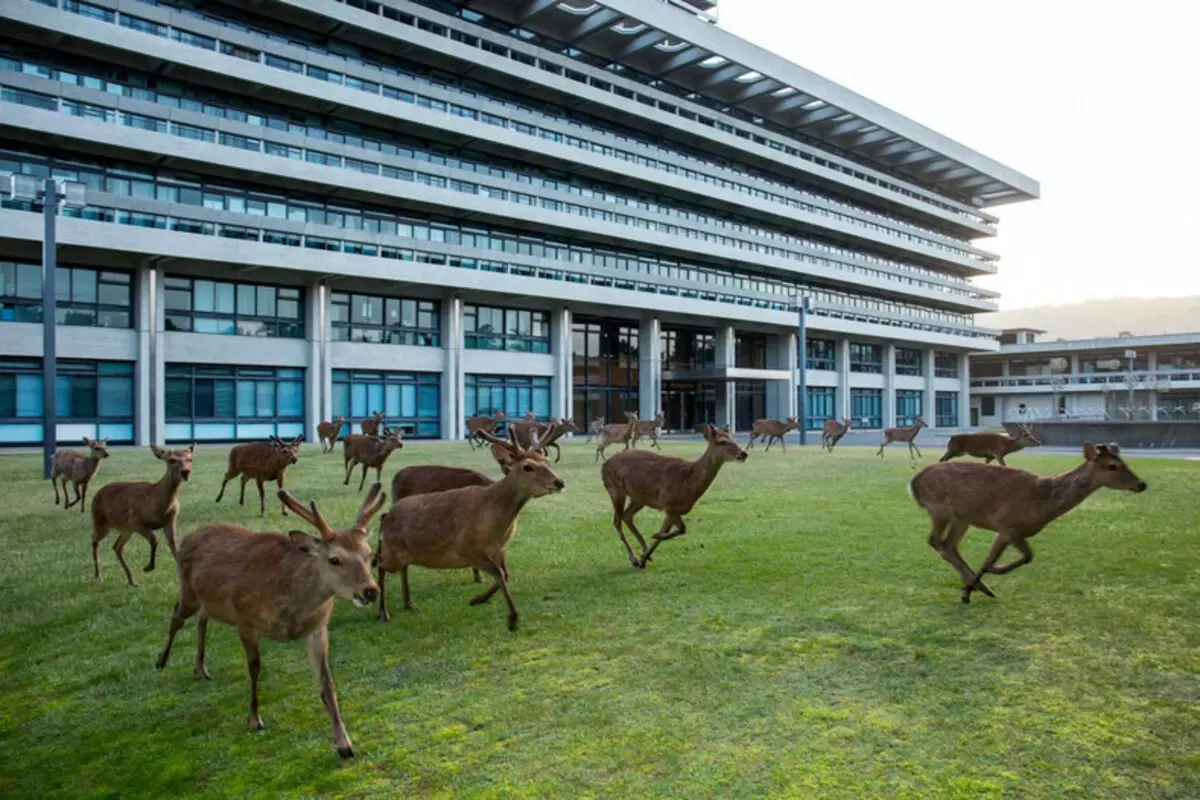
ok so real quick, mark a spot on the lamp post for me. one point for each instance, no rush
(802, 308)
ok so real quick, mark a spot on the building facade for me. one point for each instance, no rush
(1122, 378)
(436, 209)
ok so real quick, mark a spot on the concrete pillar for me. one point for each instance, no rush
(1152, 395)
(143, 371)
(889, 385)
(562, 385)
(843, 387)
(726, 358)
(649, 368)
(929, 402)
(314, 380)
(1074, 363)
(158, 355)
(453, 423)
(964, 390)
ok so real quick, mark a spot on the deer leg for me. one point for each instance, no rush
(475, 574)
(148, 535)
(318, 659)
(279, 483)
(881, 446)
(618, 504)
(913, 446)
(628, 516)
(770, 440)
(201, 668)
(654, 439)
(1001, 460)
(363, 479)
(82, 497)
(993, 555)
(750, 444)
(783, 442)
(1026, 557)
(99, 531)
(228, 478)
(186, 607)
(496, 568)
(242, 497)
(384, 616)
(408, 603)
(254, 664)
(169, 535)
(54, 483)
(957, 530)
(262, 497)
(119, 549)
(349, 469)
(664, 533)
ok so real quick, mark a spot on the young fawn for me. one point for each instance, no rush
(78, 469)
(329, 433)
(371, 425)
(772, 429)
(1016, 505)
(278, 586)
(370, 452)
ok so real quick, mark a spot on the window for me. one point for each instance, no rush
(227, 403)
(685, 348)
(909, 362)
(946, 404)
(866, 358)
(821, 354)
(604, 355)
(87, 297)
(233, 309)
(484, 395)
(750, 350)
(94, 398)
(866, 407)
(987, 406)
(945, 365)
(385, 320)
(909, 406)
(489, 328)
(410, 401)
(822, 405)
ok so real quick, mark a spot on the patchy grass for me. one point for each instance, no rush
(801, 640)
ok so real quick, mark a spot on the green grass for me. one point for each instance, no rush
(801, 640)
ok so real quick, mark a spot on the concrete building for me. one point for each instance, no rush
(1127, 377)
(434, 209)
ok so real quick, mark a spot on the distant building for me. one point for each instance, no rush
(1030, 378)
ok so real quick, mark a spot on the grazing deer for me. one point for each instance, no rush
(906, 435)
(329, 433)
(476, 424)
(371, 425)
(594, 428)
(278, 586)
(78, 469)
(141, 508)
(833, 431)
(261, 461)
(1015, 504)
(648, 428)
(771, 429)
(611, 434)
(466, 527)
(369, 451)
(989, 446)
(636, 479)
(429, 478)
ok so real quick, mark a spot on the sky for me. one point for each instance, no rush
(1098, 101)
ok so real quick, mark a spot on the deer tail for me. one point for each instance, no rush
(911, 493)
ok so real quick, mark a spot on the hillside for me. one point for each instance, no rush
(1098, 318)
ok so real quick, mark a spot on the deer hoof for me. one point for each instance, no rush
(346, 752)
(635, 560)
(257, 725)
(202, 672)
(148, 568)
(384, 616)
(512, 622)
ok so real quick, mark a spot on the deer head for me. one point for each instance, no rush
(792, 423)
(1107, 468)
(179, 462)
(1025, 436)
(722, 444)
(289, 452)
(343, 557)
(339, 422)
(631, 417)
(393, 439)
(848, 422)
(920, 423)
(499, 416)
(567, 426)
(529, 469)
(97, 448)
(530, 416)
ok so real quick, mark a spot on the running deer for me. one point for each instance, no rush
(833, 431)
(371, 425)
(611, 434)
(429, 478)
(329, 433)
(636, 479)
(989, 446)
(1014, 504)
(648, 428)
(261, 462)
(370, 452)
(141, 508)
(540, 441)
(549, 435)
(906, 435)
(594, 429)
(465, 527)
(281, 586)
(477, 424)
(78, 469)
(771, 429)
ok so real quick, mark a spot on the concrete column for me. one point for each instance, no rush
(889, 385)
(1004, 368)
(843, 387)
(1152, 395)
(452, 375)
(158, 356)
(1074, 363)
(964, 390)
(726, 358)
(143, 371)
(562, 385)
(314, 373)
(649, 368)
(929, 403)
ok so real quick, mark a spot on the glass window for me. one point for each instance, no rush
(866, 358)
(945, 365)
(385, 320)
(85, 296)
(947, 409)
(909, 406)
(227, 308)
(233, 402)
(484, 395)
(489, 328)
(821, 354)
(866, 407)
(86, 392)
(909, 362)
(410, 401)
(822, 405)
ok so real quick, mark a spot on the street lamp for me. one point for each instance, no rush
(51, 194)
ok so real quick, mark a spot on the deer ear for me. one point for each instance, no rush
(1090, 452)
(303, 542)
(87, 441)
(156, 450)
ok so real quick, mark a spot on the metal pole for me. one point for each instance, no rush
(49, 323)
(802, 382)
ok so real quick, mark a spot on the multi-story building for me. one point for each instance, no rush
(1121, 378)
(303, 208)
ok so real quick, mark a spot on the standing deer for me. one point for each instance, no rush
(648, 428)
(611, 434)
(772, 429)
(329, 433)
(594, 429)
(261, 461)
(636, 479)
(279, 586)
(906, 435)
(1015, 504)
(369, 451)
(833, 431)
(371, 425)
(476, 424)
(989, 446)
(466, 527)
(428, 478)
(141, 508)
(78, 469)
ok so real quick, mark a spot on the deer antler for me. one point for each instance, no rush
(369, 508)
(508, 444)
(310, 515)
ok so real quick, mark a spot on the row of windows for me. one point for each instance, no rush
(515, 396)
(385, 320)
(686, 348)
(83, 296)
(410, 401)
(224, 307)
(91, 398)
(489, 328)
(822, 354)
(866, 407)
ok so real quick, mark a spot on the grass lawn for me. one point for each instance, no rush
(801, 640)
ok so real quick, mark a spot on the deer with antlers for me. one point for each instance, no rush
(477, 424)
(648, 428)
(329, 433)
(772, 429)
(278, 586)
(833, 431)
(371, 425)
(906, 434)
(370, 452)
(540, 441)
(636, 479)
(1014, 504)
(465, 527)
(990, 446)
(77, 469)
(261, 462)
(611, 434)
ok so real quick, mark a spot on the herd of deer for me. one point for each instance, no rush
(282, 586)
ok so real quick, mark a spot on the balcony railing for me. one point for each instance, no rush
(1144, 380)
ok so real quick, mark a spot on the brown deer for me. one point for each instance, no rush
(466, 527)
(261, 462)
(370, 452)
(611, 434)
(771, 429)
(648, 428)
(429, 478)
(594, 429)
(278, 586)
(329, 433)
(549, 435)
(989, 446)
(636, 479)
(78, 469)
(1015, 504)
(906, 435)
(524, 428)
(541, 440)
(833, 431)
(476, 424)
(141, 508)
(371, 425)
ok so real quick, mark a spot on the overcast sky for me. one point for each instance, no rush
(1099, 101)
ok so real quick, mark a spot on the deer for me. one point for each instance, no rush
(281, 586)
(636, 479)
(906, 435)
(429, 478)
(77, 468)
(551, 433)
(476, 424)
(771, 429)
(466, 527)
(611, 434)
(594, 428)
(540, 442)
(833, 431)
(370, 452)
(990, 446)
(648, 428)
(142, 508)
(1014, 504)
(371, 425)
(330, 432)
(261, 462)
(524, 428)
